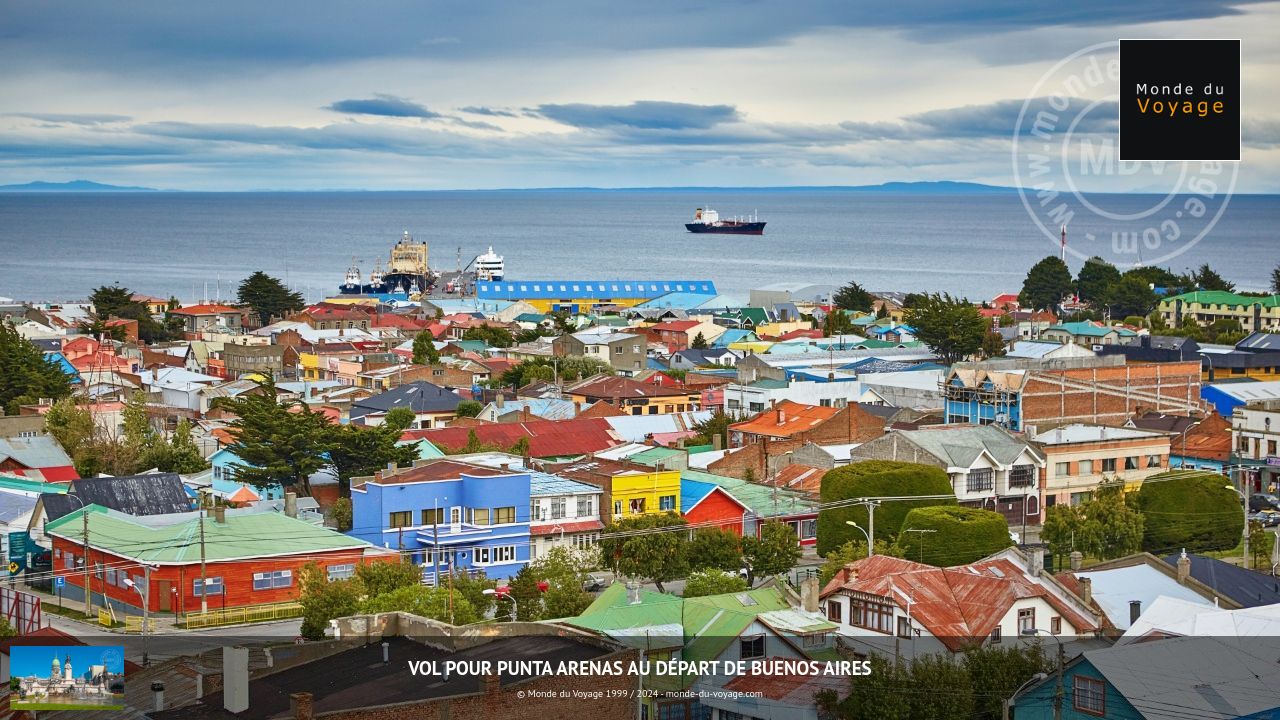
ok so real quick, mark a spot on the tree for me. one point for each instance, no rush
(26, 375)
(715, 549)
(186, 456)
(469, 408)
(281, 443)
(341, 513)
(74, 429)
(424, 349)
(1131, 296)
(564, 570)
(699, 342)
(569, 369)
(1096, 279)
(426, 601)
(380, 578)
(853, 297)
(359, 450)
(993, 345)
(952, 328)
(712, 582)
(472, 587)
(876, 478)
(957, 535)
(267, 297)
(491, 335)
(658, 555)
(1207, 279)
(1275, 280)
(1047, 283)
(1189, 509)
(852, 551)
(837, 322)
(1260, 543)
(6, 630)
(774, 552)
(715, 426)
(323, 600)
(113, 301)
(1105, 526)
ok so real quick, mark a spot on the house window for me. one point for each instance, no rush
(808, 529)
(341, 572)
(479, 516)
(904, 627)
(834, 611)
(618, 350)
(504, 515)
(1086, 467)
(1055, 625)
(1022, 476)
(815, 640)
(495, 555)
(996, 636)
(752, 647)
(111, 576)
(617, 507)
(269, 580)
(557, 508)
(637, 506)
(212, 585)
(872, 615)
(1153, 461)
(435, 516)
(1109, 465)
(667, 502)
(535, 511)
(1026, 620)
(980, 480)
(1131, 462)
(584, 506)
(1062, 469)
(403, 518)
(1089, 695)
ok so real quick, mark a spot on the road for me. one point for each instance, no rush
(174, 643)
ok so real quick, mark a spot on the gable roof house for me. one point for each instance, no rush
(432, 405)
(634, 397)
(137, 495)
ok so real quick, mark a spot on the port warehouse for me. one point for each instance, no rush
(577, 296)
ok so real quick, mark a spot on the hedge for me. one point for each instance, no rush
(876, 478)
(1192, 510)
(960, 535)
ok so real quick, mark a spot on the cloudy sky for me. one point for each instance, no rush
(415, 94)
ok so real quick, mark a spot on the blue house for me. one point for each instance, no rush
(447, 515)
(1187, 677)
(225, 466)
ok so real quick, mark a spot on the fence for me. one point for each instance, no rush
(133, 623)
(21, 610)
(236, 616)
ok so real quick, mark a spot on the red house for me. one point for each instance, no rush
(706, 505)
(251, 558)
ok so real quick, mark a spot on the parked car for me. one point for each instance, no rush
(1263, 501)
(593, 584)
(1268, 518)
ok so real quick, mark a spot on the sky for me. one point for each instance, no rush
(420, 94)
(38, 659)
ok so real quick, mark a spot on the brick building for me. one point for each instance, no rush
(787, 426)
(1079, 458)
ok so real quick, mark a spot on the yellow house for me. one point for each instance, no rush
(1254, 313)
(629, 490)
(778, 329)
(755, 346)
(309, 365)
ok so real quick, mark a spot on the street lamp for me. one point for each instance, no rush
(1057, 693)
(145, 594)
(870, 550)
(1244, 502)
(1005, 704)
(507, 595)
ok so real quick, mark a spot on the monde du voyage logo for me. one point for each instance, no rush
(1180, 100)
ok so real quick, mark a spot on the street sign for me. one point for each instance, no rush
(60, 582)
(1273, 460)
(18, 545)
(14, 568)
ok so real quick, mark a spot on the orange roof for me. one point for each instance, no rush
(209, 309)
(676, 325)
(790, 689)
(804, 478)
(244, 495)
(786, 419)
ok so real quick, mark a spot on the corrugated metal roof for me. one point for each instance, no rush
(149, 494)
(547, 438)
(40, 451)
(589, 289)
(1077, 433)
(634, 428)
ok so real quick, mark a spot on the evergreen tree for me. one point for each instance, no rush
(775, 551)
(1047, 283)
(853, 297)
(952, 328)
(1095, 281)
(1275, 280)
(357, 451)
(491, 335)
(699, 342)
(282, 443)
(1131, 296)
(469, 408)
(1207, 279)
(993, 345)
(267, 297)
(26, 375)
(424, 349)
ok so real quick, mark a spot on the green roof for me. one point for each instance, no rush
(531, 317)
(477, 346)
(693, 449)
(1222, 297)
(760, 499)
(249, 535)
(654, 455)
(426, 449)
(17, 483)
(1088, 329)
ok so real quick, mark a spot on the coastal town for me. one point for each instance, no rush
(268, 501)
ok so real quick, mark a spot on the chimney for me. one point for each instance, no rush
(717, 442)
(1036, 562)
(235, 679)
(392, 467)
(1184, 568)
(291, 504)
(1077, 560)
(157, 691)
(525, 415)
(505, 465)
(1135, 611)
(500, 401)
(301, 706)
(809, 594)
(633, 592)
(220, 515)
(1086, 590)
(492, 684)
(577, 408)
(782, 415)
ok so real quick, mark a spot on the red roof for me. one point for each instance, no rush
(337, 311)
(786, 419)
(676, 325)
(443, 469)
(547, 438)
(954, 604)
(612, 386)
(584, 526)
(797, 690)
(804, 478)
(209, 309)
(801, 333)
(392, 320)
(54, 473)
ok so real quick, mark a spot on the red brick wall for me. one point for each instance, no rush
(1154, 386)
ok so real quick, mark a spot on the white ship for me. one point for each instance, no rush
(489, 266)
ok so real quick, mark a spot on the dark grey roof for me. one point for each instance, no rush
(1260, 342)
(1249, 588)
(154, 494)
(49, 345)
(421, 397)
(1164, 423)
(881, 411)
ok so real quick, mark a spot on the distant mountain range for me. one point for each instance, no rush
(72, 186)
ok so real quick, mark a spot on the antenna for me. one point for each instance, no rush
(1064, 243)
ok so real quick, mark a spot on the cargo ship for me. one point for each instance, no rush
(708, 221)
(407, 273)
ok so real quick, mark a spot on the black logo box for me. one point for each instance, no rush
(1205, 73)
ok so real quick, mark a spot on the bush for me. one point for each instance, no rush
(961, 535)
(1192, 510)
(713, 582)
(876, 478)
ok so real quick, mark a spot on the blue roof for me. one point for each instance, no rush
(693, 491)
(545, 408)
(678, 300)
(470, 306)
(733, 335)
(590, 289)
(541, 483)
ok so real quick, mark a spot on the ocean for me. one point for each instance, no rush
(58, 247)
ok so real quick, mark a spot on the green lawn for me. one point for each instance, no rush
(19, 705)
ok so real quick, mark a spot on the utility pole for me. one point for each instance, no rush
(88, 590)
(871, 506)
(204, 581)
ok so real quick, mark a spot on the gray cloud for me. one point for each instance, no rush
(384, 106)
(642, 114)
(491, 112)
(72, 118)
